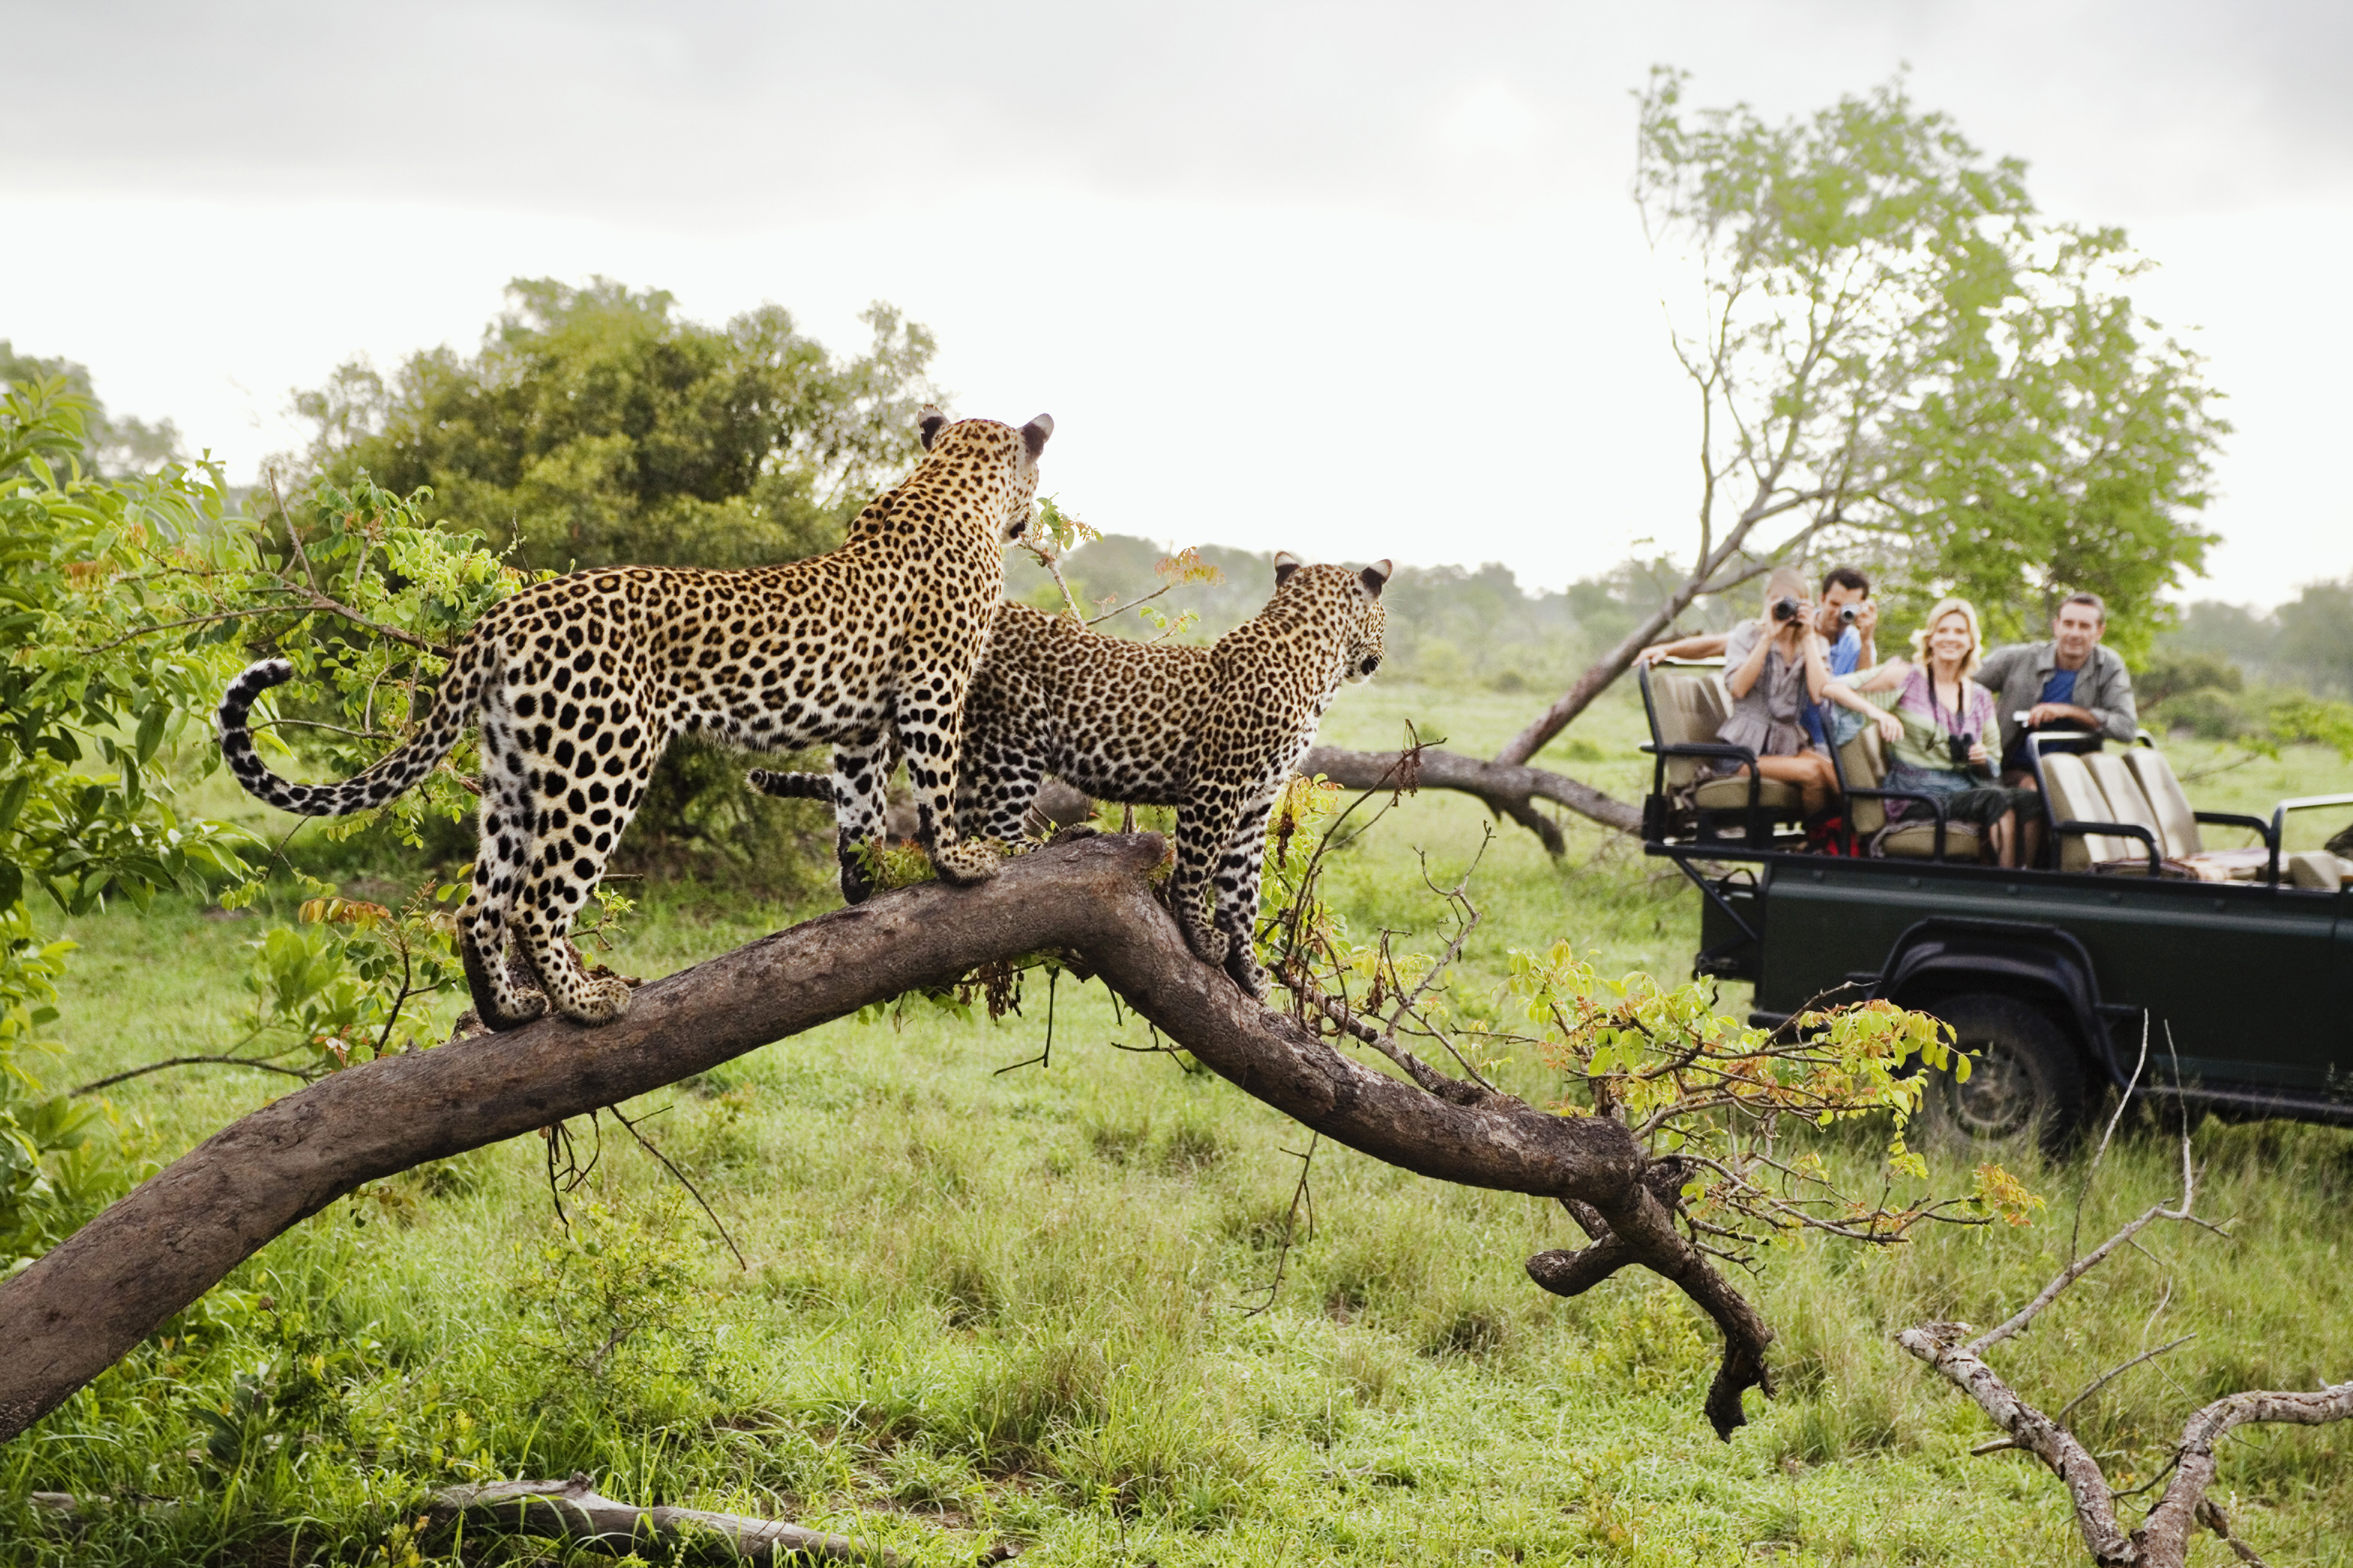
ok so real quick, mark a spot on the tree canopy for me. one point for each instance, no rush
(597, 426)
(1897, 357)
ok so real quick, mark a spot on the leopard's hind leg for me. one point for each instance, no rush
(862, 776)
(1235, 885)
(508, 821)
(585, 800)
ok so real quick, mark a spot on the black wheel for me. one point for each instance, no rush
(2025, 1088)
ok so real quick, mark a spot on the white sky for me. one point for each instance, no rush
(1349, 280)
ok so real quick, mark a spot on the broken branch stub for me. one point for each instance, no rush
(78, 1310)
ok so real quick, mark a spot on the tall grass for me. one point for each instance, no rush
(1044, 1304)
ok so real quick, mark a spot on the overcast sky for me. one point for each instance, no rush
(1352, 279)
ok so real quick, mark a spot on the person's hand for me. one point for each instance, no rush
(2043, 713)
(1652, 654)
(1977, 755)
(1866, 620)
(1890, 728)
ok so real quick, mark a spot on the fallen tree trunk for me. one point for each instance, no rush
(78, 1310)
(1508, 789)
(575, 1511)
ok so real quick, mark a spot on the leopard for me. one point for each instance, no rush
(579, 683)
(1213, 731)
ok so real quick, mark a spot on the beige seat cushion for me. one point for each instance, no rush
(2319, 868)
(1691, 706)
(2178, 823)
(1864, 763)
(2126, 801)
(2075, 797)
(1732, 795)
(1917, 840)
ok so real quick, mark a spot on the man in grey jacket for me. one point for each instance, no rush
(2068, 684)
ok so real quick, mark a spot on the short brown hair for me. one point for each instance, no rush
(2085, 596)
(1846, 577)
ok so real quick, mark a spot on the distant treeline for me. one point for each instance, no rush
(1448, 624)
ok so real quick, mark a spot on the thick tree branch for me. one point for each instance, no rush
(74, 1312)
(1507, 790)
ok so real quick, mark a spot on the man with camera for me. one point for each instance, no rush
(2068, 685)
(1845, 616)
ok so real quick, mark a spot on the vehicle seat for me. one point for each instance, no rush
(2180, 836)
(2076, 797)
(1862, 763)
(2319, 868)
(1692, 705)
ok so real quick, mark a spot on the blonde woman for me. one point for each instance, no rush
(1775, 669)
(1936, 720)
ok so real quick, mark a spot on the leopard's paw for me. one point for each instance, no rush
(965, 862)
(1209, 944)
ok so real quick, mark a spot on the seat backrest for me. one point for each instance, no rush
(2124, 797)
(2318, 869)
(1865, 765)
(2075, 797)
(2167, 797)
(1691, 706)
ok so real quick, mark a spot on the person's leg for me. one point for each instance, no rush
(1809, 771)
(2005, 839)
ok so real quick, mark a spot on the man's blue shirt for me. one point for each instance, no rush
(1844, 655)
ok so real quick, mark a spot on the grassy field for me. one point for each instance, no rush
(1052, 1304)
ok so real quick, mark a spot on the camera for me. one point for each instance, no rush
(1850, 614)
(1785, 609)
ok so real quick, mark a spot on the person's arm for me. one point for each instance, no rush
(1706, 644)
(1843, 693)
(1818, 669)
(1866, 627)
(2118, 716)
(1882, 678)
(1738, 682)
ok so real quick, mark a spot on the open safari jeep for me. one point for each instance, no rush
(2238, 958)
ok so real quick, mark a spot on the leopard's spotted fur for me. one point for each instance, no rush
(580, 682)
(1213, 731)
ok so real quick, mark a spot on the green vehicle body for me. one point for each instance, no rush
(2246, 989)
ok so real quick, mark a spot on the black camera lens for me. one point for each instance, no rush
(1785, 609)
(1850, 614)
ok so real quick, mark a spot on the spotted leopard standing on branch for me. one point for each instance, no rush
(580, 682)
(1214, 731)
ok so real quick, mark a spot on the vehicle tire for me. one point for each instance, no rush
(2025, 1088)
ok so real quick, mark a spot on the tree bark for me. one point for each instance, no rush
(574, 1511)
(78, 1310)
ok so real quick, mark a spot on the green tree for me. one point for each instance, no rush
(1894, 357)
(595, 427)
(88, 719)
(2316, 636)
(107, 444)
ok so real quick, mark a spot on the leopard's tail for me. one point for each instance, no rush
(792, 786)
(460, 694)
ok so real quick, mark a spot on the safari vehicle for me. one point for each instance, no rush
(2239, 960)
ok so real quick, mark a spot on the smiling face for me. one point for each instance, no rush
(2075, 631)
(1951, 640)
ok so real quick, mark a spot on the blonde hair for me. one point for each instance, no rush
(1969, 612)
(1784, 582)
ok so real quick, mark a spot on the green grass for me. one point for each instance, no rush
(981, 1305)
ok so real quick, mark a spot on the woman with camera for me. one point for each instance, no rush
(1935, 720)
(1774, 670)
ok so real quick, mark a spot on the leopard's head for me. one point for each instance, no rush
(1356, 597)
(988, 444)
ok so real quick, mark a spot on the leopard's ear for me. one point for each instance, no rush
(1375, 577)
(1285, 563)
(1034, 434)
(931, 425)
